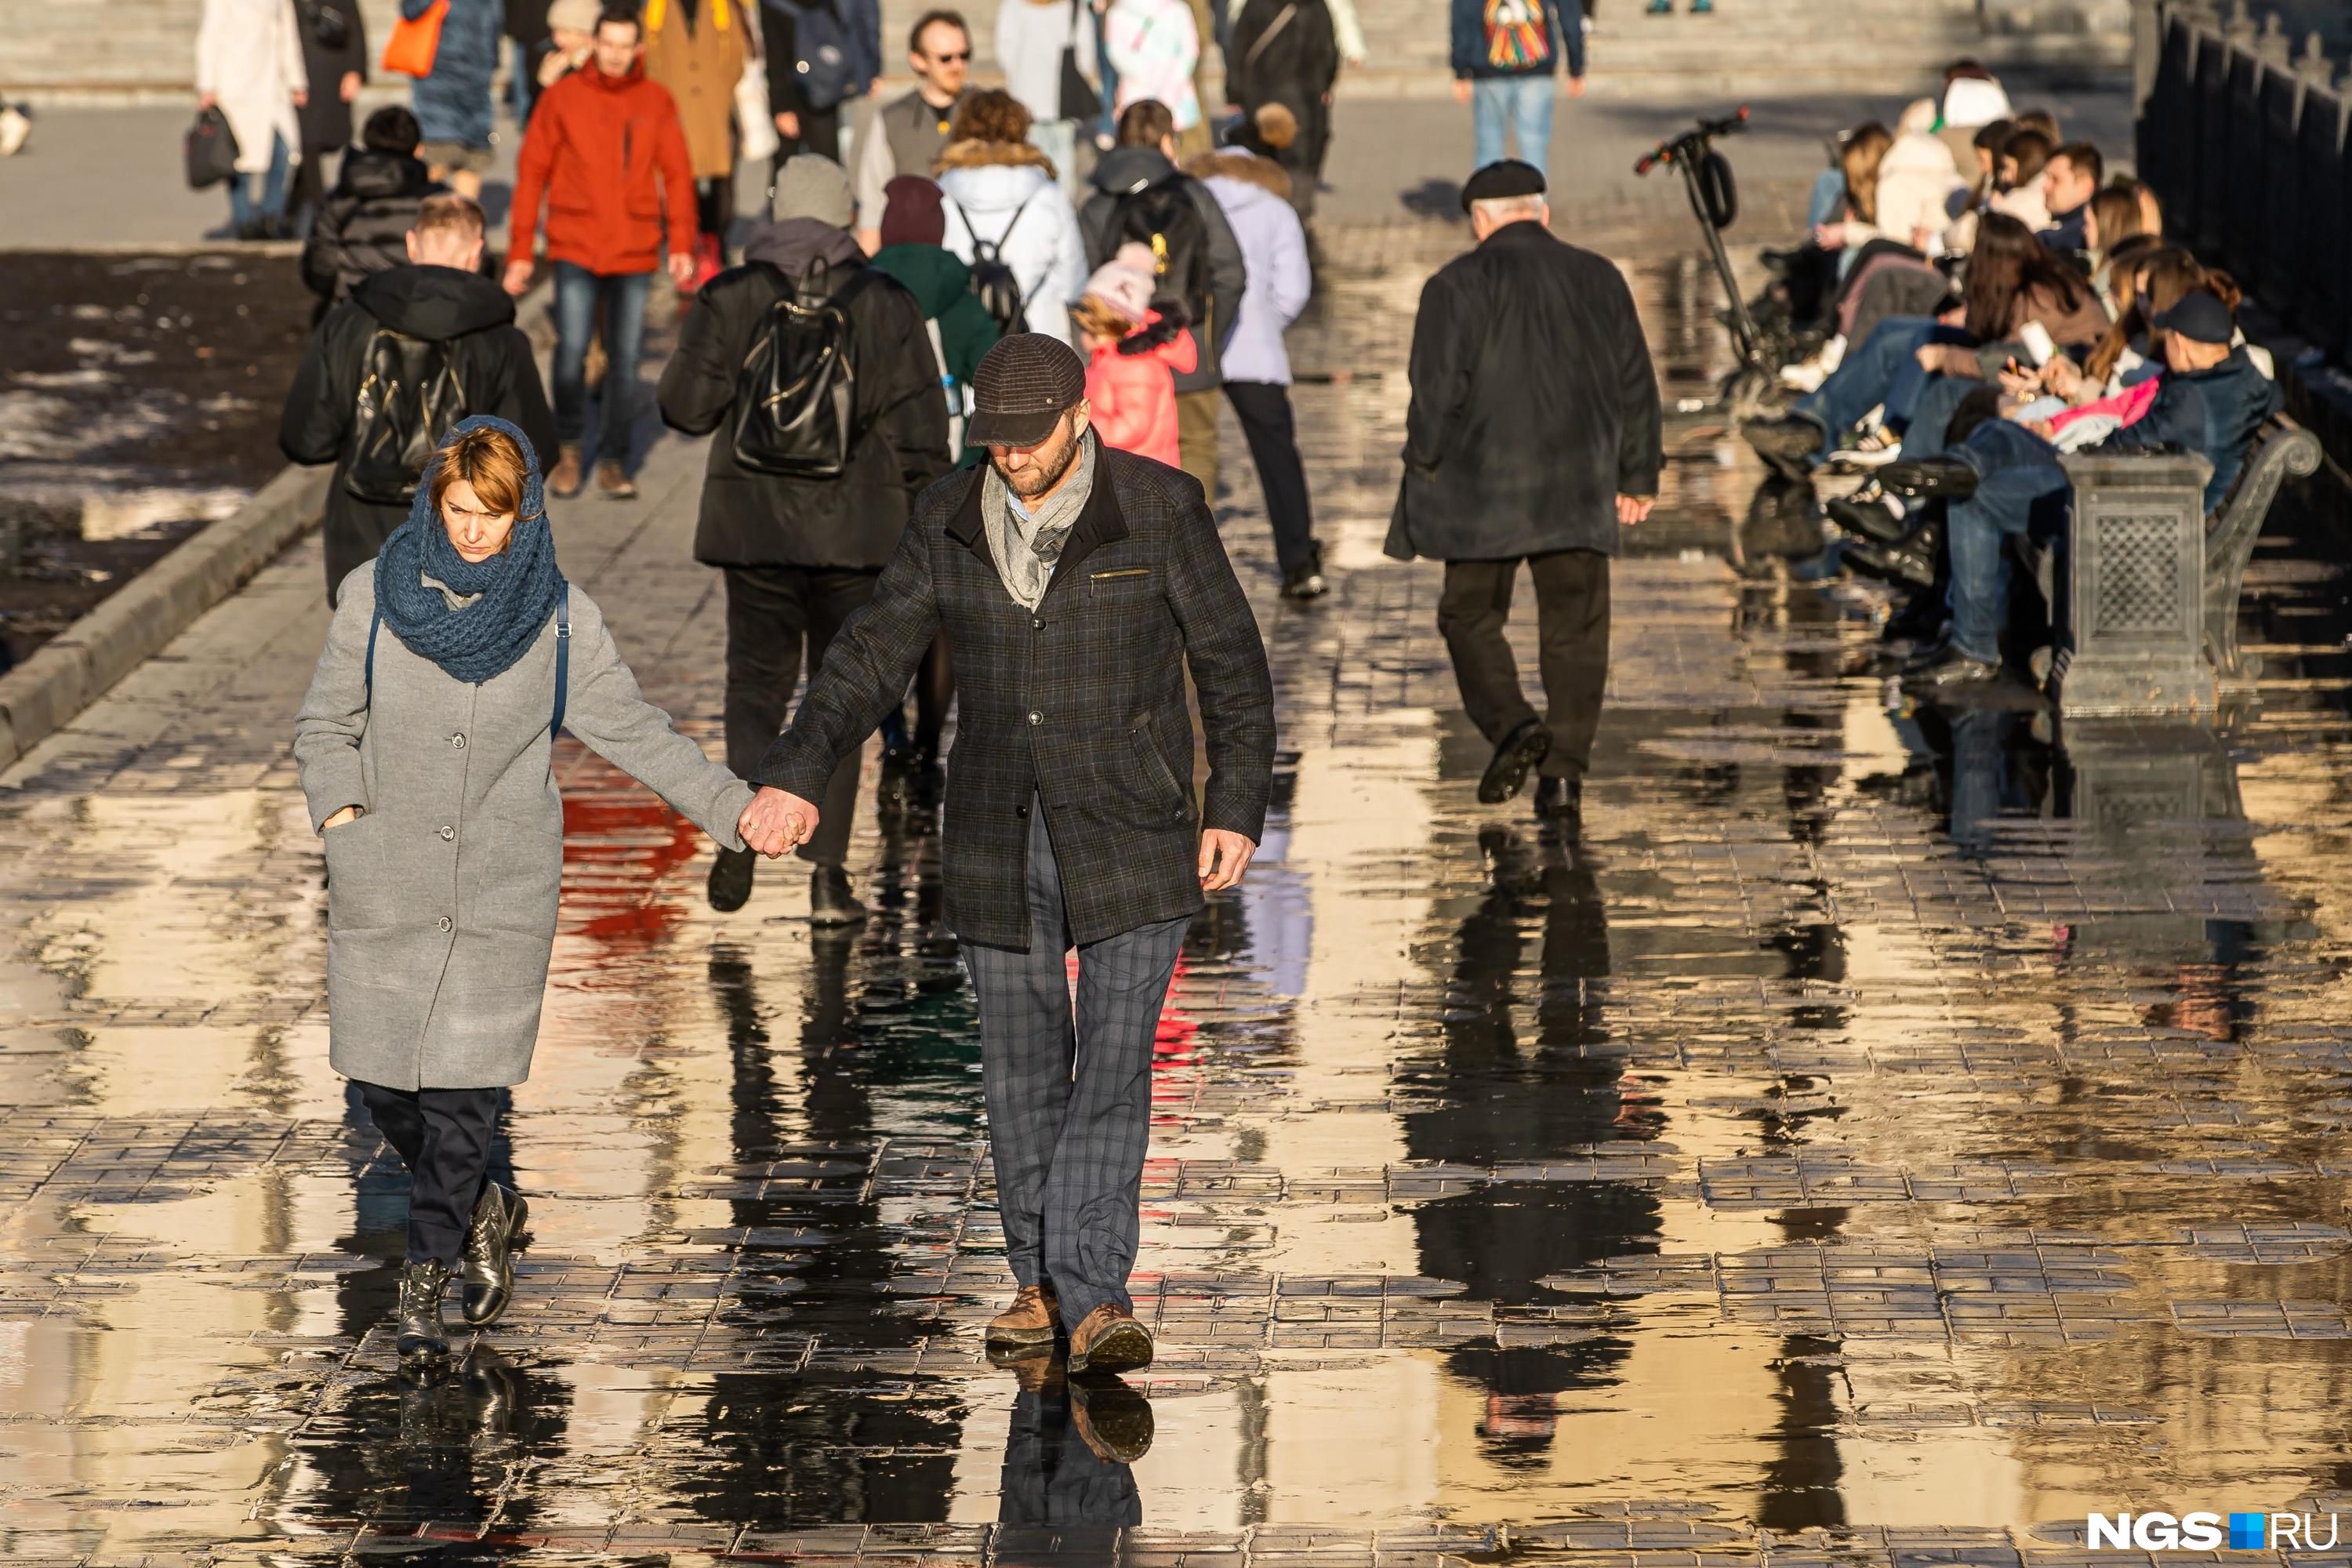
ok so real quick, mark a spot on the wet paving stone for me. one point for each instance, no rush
(1891, 1135)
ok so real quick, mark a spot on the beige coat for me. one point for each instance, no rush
(700, 64)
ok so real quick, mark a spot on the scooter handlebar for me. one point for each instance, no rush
(1692, 141)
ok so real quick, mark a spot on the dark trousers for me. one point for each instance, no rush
(770, 612)
(1264, 410)
(1069, 1096)
(1572, 641)
(583, 300)
(444, 1138)
(714, 206)
(1051, 1478)
(820, 133)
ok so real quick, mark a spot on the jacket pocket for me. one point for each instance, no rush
(359, 896)
(1157, 775)
(1119, 585)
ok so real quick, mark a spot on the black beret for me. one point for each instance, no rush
(1499, 182)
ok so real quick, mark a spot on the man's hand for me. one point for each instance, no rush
(776, 822)
(301, 98)
(1462, 89)
(1223, 858)
(788, 126)
(350, 88)
(349, 814)
(1631, 510)
(1576, 87)
(681, 267)
(518, 277)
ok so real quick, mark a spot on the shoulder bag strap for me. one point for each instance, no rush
(562, 659)
(1281, 20)
(374, 623)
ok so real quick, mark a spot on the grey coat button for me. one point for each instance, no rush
(448, 834)
(1037, 623)
(458, 740)
(443, 922)
(1035, 717)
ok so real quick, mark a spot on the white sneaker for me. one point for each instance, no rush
(1806, 375)
(1876, 450)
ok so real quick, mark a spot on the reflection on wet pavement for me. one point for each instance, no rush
(1892, 1133)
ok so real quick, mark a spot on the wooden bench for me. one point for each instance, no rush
(2164, 626)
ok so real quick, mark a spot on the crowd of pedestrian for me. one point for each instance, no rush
(1987, 297)
(959, 395)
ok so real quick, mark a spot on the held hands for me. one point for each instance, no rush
(776, 823)
(1223, 858)
(1631, 510)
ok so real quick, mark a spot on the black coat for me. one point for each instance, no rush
(1534, 405)
(1286, 52)
(1082, 702)
(326, 119)
(492, 358)
(899, 443)
(363, 226)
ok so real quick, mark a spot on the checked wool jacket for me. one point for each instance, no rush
(1080, 703)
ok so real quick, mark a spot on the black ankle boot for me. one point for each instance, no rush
(830, 903)
(1561, 802)
(423, 1342)
(488, 1267)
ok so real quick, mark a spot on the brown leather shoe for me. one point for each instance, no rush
(564, 480)
(1034, 1319)
(1110, 1339)
(614, 482)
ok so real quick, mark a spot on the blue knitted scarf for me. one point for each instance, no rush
(519, 586)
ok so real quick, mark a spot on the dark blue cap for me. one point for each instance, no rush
(2200, 317)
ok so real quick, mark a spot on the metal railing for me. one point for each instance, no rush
(2244, 143)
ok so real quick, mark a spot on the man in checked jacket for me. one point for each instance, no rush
(1074, 583)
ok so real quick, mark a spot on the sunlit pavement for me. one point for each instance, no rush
(1889, 1137)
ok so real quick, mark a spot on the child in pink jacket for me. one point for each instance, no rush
(1134, 355)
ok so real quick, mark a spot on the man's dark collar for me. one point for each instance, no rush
(1526, 223)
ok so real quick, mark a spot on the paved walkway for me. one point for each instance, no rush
(1889, 1138)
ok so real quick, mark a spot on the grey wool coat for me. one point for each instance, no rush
(441, 898)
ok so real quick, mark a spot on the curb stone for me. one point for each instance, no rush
(75, 669)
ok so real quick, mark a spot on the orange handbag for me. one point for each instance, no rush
(412, 44)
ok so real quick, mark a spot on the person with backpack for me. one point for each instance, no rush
(905, 135)
(1507, 54)
(606, 155)
(961, 333)
(1285, 55)
(363, 226)
(392, 370)
(1008, 219)
(815, 372)
(427, 745)
(1140, 195)
(821, 57)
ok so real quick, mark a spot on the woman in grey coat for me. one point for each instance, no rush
(426, 743)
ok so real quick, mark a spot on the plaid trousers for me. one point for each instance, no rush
(1069, 1095)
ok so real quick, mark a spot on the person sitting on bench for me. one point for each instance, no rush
(2006, 480)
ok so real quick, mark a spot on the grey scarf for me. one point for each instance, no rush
(1027, 547)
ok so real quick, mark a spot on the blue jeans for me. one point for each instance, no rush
(1928, 435)
(1524, 103)
(1862, 378)
(1109, 126)
(1828, 199)
(523, 83)
(242, 213)
(2019, 484)
(581, 297)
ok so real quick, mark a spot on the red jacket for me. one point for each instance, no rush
(596, 146)
(1131, 389)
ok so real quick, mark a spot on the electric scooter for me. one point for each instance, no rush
(1715, 199)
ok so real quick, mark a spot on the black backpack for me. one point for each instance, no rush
(992, 282)
(1164, 217)
(797, 393)
(409, 398)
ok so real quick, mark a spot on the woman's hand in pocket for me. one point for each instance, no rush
(349, 814)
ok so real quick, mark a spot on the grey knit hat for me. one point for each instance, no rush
(813, 186)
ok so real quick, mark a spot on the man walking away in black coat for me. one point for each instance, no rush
(1077, 585)
(363, 226)
(1140, 195)
(457, 327)
(802, 553)
(1532, 435)
(335, 59)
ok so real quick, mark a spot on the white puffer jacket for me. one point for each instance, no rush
(1004, 193)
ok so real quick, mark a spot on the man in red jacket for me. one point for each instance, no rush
(599, 140)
